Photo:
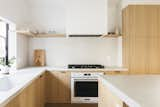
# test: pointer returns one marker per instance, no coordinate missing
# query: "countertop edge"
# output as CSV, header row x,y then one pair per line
x,y
12,96
109,69
125,98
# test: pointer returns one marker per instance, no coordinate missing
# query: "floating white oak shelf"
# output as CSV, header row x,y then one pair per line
x,y
39,35
50,35
110,36
26,33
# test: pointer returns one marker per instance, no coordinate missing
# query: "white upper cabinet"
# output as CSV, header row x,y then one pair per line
x,y
86,16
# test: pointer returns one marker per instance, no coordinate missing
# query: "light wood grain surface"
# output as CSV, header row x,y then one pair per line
x,y
31,96
58,87
141,39
39,57
107,98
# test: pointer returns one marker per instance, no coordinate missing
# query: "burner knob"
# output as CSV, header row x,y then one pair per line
x,y
85,74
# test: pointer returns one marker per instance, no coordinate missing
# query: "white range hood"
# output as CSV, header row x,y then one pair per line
x,y
87,17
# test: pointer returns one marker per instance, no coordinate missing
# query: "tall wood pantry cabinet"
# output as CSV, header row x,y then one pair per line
x,y
141,39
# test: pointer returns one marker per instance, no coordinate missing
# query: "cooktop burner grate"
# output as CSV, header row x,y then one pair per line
x,y
85,66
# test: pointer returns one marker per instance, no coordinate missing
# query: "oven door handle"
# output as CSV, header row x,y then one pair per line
x,y
85,80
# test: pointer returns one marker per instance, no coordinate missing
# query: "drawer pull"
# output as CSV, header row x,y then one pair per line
x,y
87,99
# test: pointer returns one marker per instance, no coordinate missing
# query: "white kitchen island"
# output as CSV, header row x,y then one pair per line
x,y
135,90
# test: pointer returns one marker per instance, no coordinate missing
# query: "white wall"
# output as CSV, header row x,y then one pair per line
x,y
47,15
64,16
22,51
63,51
120,56
86,16
112,18
15,11
51,14
114,15
12,41
54,14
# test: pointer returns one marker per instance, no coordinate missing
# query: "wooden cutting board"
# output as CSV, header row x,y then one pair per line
x,y
39,57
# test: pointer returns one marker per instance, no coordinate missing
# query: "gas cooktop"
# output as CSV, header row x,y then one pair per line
x,y
85,66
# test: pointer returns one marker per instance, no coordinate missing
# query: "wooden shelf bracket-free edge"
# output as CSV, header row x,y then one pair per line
x,y
26,33
110,36
49,35
31,34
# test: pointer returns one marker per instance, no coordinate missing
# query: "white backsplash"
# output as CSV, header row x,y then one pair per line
x,y
63,51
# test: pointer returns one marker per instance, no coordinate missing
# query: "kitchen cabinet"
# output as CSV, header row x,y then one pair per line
x,y
58,87
107,98
35,93
141,39
14,102
31,96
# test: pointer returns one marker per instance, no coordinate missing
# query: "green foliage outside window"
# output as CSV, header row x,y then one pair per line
x,y
10,61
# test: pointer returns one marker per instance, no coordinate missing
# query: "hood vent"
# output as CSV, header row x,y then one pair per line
x,y
85,35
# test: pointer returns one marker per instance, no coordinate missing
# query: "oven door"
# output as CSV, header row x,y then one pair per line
x,y
84,91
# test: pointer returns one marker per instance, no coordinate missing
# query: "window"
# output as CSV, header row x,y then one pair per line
x,y
7,44
4,42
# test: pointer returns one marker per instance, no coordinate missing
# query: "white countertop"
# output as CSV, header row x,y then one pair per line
x,y
137,90
22,78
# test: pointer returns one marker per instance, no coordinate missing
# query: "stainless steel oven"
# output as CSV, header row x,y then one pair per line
x,y
84,87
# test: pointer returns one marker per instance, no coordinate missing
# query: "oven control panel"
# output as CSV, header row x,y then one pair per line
x,y
86,74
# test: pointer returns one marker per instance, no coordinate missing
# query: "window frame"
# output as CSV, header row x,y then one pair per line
x,y
6,57
7,45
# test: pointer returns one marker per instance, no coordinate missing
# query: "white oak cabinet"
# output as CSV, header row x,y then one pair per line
x,y
107,98
58,87
31,96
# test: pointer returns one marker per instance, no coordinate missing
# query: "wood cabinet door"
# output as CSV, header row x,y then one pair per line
x,y
58,87
31,96
39,91
27,98
154,40
141,39
107,98
14,102
135,39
